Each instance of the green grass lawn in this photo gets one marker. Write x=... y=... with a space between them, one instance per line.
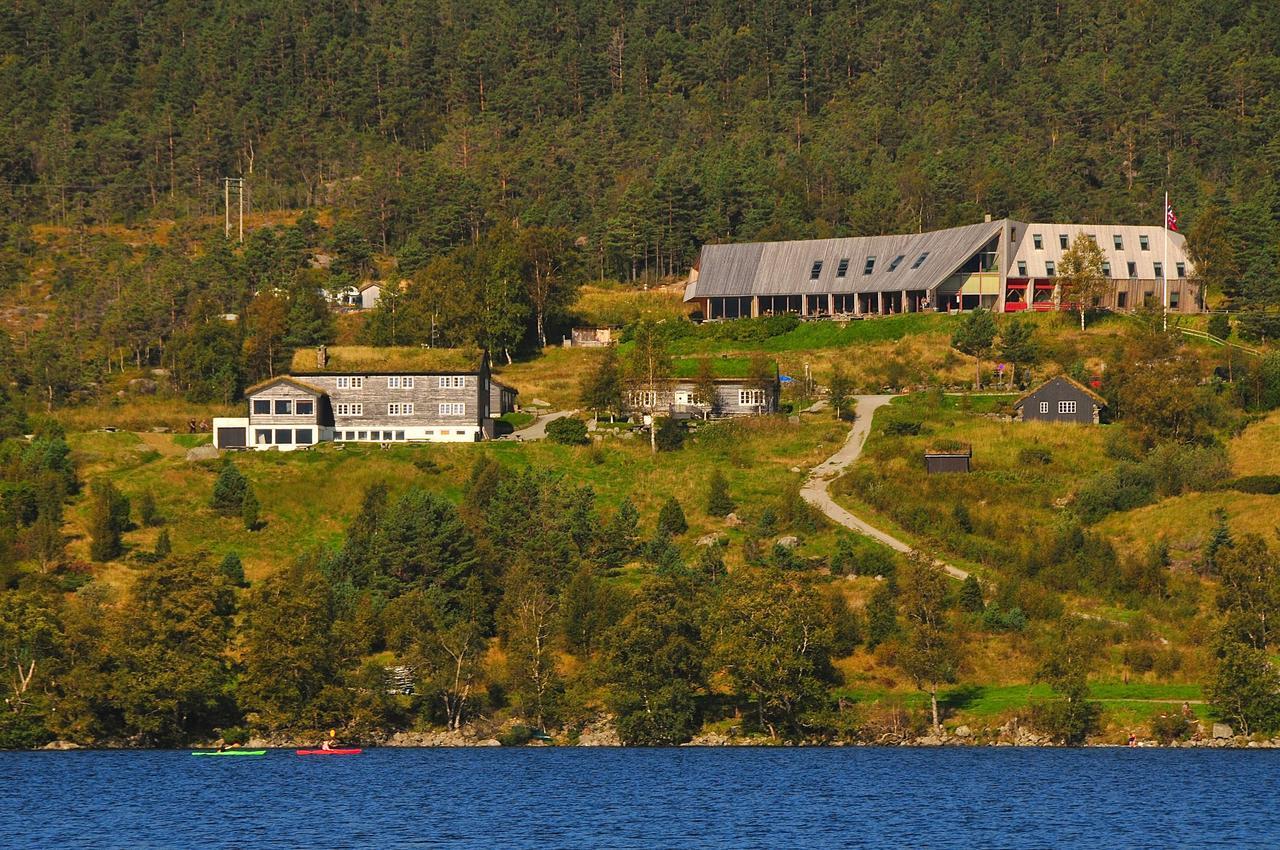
x=518 y=419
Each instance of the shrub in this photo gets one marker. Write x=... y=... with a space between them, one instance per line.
x=567 y=431
x=670 y=436
x=1035 y=456
x=960 y=513
x=902 y=428
x=1264 y=484
x=1123 y=487
x=249 y=511
x=1139 y=659
x=1220 y=325
x=1068 y=722
x=719 y=502
x=233 y=569
x=517 y=736
x=108 y=519
x=164 y=547
x=970 y=596
x=148 y=513
x=1167 y=728
x=229 y=490
x=671 y=519
x=1255 y=327
x=997 y=619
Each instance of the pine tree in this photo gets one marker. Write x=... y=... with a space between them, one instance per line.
x=163 y=546
x=148 y=514
x=618 y=543
x=718 y=501
x=233 y=569
x=671 y=519
x=249 y=510
x=1219 y=539
x=108 y=518
x=970 y=597
x=229 y=490
x=882 y=616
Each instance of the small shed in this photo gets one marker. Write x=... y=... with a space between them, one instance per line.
x=948 y=459
x=1061 y=399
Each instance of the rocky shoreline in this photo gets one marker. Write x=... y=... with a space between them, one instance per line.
x=602 y=733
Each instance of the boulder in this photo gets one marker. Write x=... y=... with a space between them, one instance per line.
x=142 y=386
x=733 y=521
x=1222 y=730
x=794 y=420
x=61 y=745
x=795 y=469
x=601 y=732
x=205 y=452
x=712 y=539
x=160 y=373
x=489 y=742
x=790 y=541
x=963 y=732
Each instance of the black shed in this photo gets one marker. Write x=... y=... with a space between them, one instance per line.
x=1061 y=399
x=948 y=459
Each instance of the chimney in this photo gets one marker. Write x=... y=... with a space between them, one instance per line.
x=322 y=357
x=987 y=218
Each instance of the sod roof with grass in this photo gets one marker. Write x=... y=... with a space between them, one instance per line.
x=723 y=368
x=388 y=359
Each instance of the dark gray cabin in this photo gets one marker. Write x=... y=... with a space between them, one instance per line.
x=1061 y=399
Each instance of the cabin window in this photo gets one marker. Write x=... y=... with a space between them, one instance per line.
x=1062 y=241
x=815 y=270
x=870 y=266
x=362 y=435
x=1173 y=300
x=920 y=260
x=646 y=398
x=262 y=436
x=284 y=437
x=896 y=260
x=1133 y=269
x=453 y=408
x=747 y=398
x=1066 y=408
x=349 y=409
x=1049 y=269
x=399 y=435
x=1044 y=407
x=262 y=406
x=1143 y=242
x=304 y=407
x=1159 y=269
x=1118 y=241
x=400 y=382
x=398 y=409
x=1122 y=298
x=350 y=383
x=843 y=268
x=351 y=435
x=452 y=382
x=1106 y=268
x=284 y=407
x=1037 y=241
x=1022 y=268
x=1181 y=269
x=302 y=436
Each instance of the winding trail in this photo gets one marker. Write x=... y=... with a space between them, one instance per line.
x=815 y=490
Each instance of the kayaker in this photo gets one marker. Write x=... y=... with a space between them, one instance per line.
x=332 y=739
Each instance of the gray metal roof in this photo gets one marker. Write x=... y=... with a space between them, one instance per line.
x=784 y=268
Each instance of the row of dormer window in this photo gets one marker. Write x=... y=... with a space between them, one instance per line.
x=1051 y=270
x=1064 y=242
x=402 y=382
x=283 y=407
x=842 y=268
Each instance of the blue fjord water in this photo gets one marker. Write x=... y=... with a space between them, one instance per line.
x=704 y=798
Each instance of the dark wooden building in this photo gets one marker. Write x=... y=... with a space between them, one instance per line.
x=1061 y=399
x=948 y=459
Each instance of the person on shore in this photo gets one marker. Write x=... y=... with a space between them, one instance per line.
x=1133 y=739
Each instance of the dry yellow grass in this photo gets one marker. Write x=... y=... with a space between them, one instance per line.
x=1254 y=451
x=1186 y=521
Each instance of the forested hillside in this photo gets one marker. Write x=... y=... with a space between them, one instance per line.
x=649 y=127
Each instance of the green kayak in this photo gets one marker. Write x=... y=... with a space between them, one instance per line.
x=229 y=753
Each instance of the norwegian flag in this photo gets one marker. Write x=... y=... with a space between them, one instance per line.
x=1170 y=220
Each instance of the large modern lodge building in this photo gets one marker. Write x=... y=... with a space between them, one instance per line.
x=1003 y=265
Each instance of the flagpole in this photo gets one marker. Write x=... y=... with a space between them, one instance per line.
x=1164 y=269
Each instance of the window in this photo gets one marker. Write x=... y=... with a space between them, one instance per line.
x=351 y=435
x=1049 y=268
x=1133 y=269
x=452 y=382
x=816 y=270
x=870 y=266
x=1159 y=268
x=1092 y=237
x=398 y=409
x=1106 y=268
x=262 y=437
x=1062 y=241
x=399 y=435
x=843 y=268
x=400 y=382
x=304 y=407
x=896 y=260
x=920 y=260
x=645 y=398
x=1066 y=408
x=1013 y=234
x=349 y=409
x=1122 y=298
x=1173 y=300
x=1143 y=242
x=1044 y=407
x=302 y=436
x=262 y=406
x=284 y=407
x=684 y=397
x=1118 y=241
x=1037 y=241
x=362 y=435
x=284 y=437
x=350 y=383
x=453 y=408
x=1022 y=268
x=750 y=397
x=1181 y=269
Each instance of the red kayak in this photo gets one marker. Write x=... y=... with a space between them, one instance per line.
x=328 y=752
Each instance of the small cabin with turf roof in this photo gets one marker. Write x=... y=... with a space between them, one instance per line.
x=724 y=386
x=365 y=394
x=1060 y=399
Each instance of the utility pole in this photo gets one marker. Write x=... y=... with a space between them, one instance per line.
x=229 y=183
